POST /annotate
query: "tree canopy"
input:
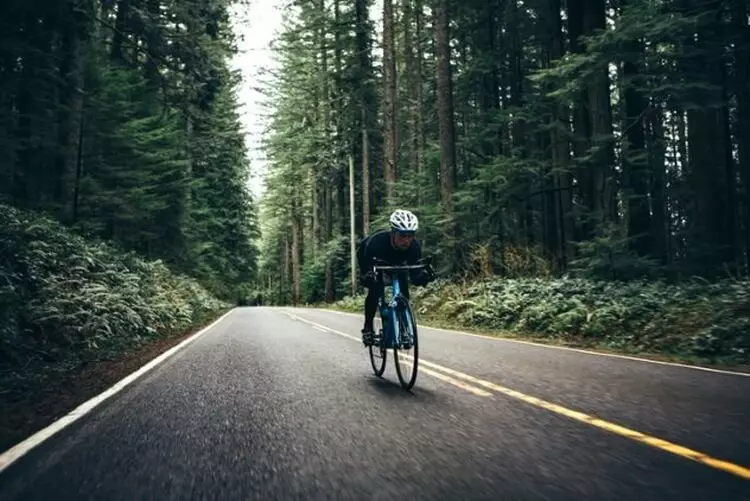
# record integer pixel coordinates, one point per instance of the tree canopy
(601, 138)
(120, 118)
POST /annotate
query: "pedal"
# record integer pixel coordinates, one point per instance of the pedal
(367, 338)
(406, 343)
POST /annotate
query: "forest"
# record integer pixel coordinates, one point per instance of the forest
(125, 216)
(580, 168)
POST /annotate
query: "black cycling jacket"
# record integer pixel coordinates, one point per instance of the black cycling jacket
(378, 245)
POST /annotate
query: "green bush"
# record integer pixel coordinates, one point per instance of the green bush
(65, 298)
(707, 320)
(354, 304)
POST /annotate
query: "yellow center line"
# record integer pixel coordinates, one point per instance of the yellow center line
(735, 469)
(700, 457)
(455, 382)
(473, 389)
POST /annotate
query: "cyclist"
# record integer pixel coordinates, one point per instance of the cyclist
(396, 246)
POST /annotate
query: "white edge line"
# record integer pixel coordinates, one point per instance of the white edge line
(566, 348)
(17, 451)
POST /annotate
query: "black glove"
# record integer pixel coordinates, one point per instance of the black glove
(368, 279)
(423, 277)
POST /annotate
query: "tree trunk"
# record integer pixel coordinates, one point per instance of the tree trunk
(659, 229)
(69, 115)
(121, 25)
(352, 230)
(341, 177)
(361, 34)
(711, 166)
(335, 198)
(365, 175)
(412, 81)
(296, 254)
(636, 168)
(489, 96)
(328, 233)
(601, 187)
(419, 104)
(315, 213)
(389, 114)
(152, 40)
(446, 125)
(516, 81)
(561, 199)
(581, 122)
(742, 91)
(286, 263)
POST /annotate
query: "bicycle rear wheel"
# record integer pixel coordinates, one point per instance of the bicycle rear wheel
(406, 353)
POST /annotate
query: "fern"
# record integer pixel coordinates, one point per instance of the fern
(693, 318)
(77, 299)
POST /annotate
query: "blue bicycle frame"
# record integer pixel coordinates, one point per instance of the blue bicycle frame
(388, 315)
(389, 310)
(390, 334)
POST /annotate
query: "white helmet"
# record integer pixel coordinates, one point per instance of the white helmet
(404, 220)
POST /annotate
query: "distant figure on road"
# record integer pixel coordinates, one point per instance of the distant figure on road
(396, 246)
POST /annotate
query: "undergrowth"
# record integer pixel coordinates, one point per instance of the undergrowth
(708, 321)
(67, 301)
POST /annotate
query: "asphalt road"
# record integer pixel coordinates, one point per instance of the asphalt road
(282, 404)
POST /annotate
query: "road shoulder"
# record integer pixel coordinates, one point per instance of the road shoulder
(571, 344)
(50, 401)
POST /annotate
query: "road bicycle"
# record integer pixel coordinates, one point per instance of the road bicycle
(399, 327)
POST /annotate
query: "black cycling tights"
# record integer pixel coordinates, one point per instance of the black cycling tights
(373, 295)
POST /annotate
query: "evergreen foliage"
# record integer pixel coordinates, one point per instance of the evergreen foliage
(120, 119)
(700, 321)
(587, 152)
(603, 139)
(65, 299)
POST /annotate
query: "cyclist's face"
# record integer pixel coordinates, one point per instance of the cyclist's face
(402, 241)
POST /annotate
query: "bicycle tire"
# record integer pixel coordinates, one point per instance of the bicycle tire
(378, 369)
(405, 316)
(373, 359)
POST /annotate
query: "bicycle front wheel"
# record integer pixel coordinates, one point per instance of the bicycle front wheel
(406, 352)
(378, 354)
